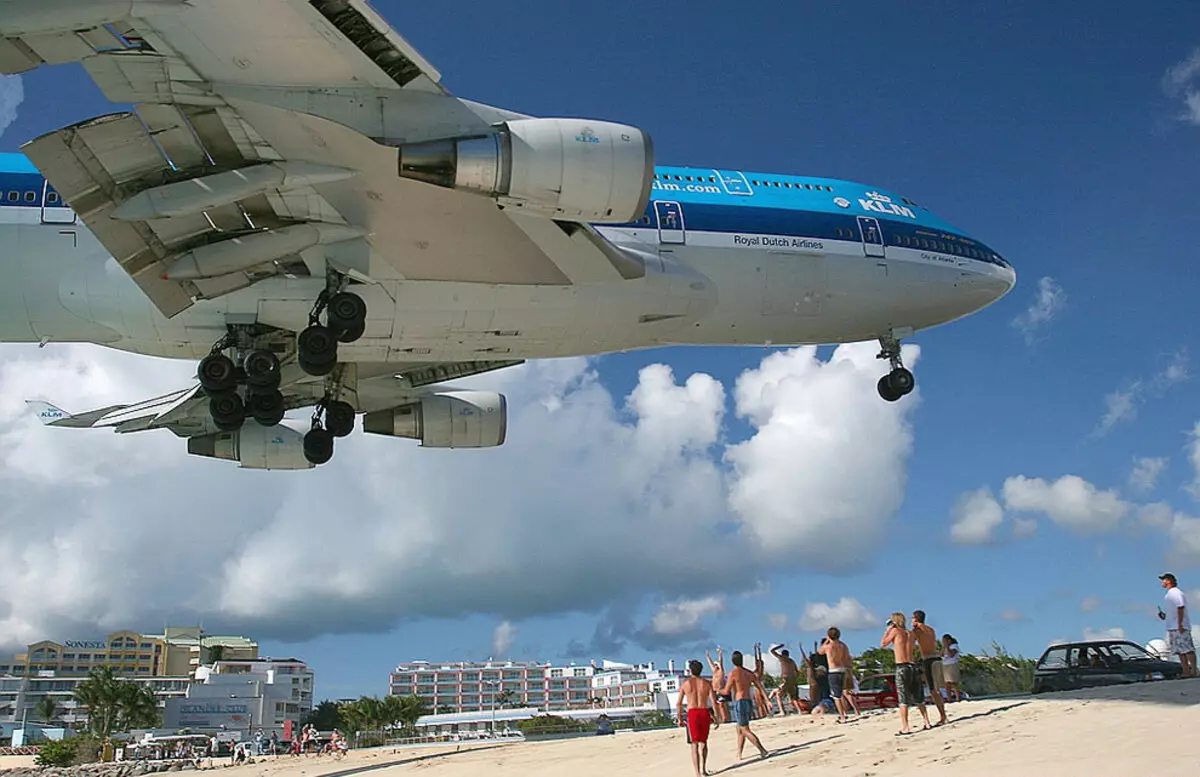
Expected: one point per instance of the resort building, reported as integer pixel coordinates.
(468, 686)
(244, 696)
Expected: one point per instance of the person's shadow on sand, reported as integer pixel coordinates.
(773, 755)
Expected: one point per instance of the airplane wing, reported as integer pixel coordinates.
(184, 412)
(272, 114)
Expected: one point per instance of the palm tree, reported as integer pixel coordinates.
(138, 707)
(46, 709)
(114, 704)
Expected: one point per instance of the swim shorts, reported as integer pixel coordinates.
(743, 709)
(933, 673)
(1180, 642)
(837, 684)
(698, 723)
(908, 685)
(790, 689)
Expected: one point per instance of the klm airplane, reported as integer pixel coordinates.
(298, 203)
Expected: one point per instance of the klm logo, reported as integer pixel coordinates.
(881, 203)
(51, 415)
(587, 136)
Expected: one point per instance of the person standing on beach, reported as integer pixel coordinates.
(741, 682)
(908, 681)
(789, 674)
(698, 692)
(718, 682)
(1179, 625)
(931, 661)
(841, 670)
(950, 667)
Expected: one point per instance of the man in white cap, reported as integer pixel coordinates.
(1179, 625)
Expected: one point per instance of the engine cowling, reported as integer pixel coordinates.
(449, 419)
(254, 447)
(569, 169)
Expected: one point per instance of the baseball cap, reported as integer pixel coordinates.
(1168, 576)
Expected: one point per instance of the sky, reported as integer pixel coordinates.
(652, 505)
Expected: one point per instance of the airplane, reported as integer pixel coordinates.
(296, 201)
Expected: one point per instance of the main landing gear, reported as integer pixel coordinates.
(332, 419)
(238, 392)
(346, 320)
(899, 382)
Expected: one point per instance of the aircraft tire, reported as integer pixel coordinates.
(346, 312)
(228, 412)
(267, 407)
(318, 446)
(317, 347)
(886, 391)
(262, 369)
(353, 333)
(339, 418)
(901, 381)
(217, 373)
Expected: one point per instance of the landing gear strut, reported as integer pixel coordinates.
(346, 320)
(331, 419)
(223, 380)
(899, 382)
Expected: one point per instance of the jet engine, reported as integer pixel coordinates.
(254, 447)
(449, 419)
(569, 169)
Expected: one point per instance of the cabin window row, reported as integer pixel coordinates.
(51, 197)
(764, 184)
(943, 246)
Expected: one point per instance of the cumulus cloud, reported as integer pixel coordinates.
(1122, 404)
(977, 517)
(1070, 502)
(679, 618)
(1047, 303)
(848, 615)
(778, 620)
(1115, 632)
(12, 94)
(1193, 450)
(502, 638)
(1180, 82)
(1145, 473)
(102, 531)
(1023, 528)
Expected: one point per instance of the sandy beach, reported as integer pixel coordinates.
(1091, 733)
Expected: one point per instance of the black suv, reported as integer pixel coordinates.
(1100, 662)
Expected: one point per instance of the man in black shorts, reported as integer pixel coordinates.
(908, 678)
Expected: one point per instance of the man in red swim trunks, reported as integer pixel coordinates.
(698, 692)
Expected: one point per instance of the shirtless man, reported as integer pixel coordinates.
(841, 670)
(761, 703)
(931, 660)
(908, 682)
(718, 681)
(698, 692)
(790, 678)
(741, 682)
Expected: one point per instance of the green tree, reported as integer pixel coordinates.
(46, 709)
(114, 704)
(138, 707)
(876, 661)
(505, 699)
(326, 716)
(216, 653)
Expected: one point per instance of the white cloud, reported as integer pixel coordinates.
(502, 638)
(1184, 541)
(1090, 604)
(777, 620)
(405, 533)
(1122, 405)
(1070, 501)
(1114, 633)
(1119, 406)
(1145, 473)
(1023, 528)
(1180, 81)
(848, 615)
(1157, 515)
(1012, 615)
(12, 94)
(1045, 307)
(1194, 458)
(682, 617)
(977, 517)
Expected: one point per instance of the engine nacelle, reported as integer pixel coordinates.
(254, 447)
(449, 419)
(570, 169)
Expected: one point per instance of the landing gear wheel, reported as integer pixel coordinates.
(886, 391)
(318, 446)
(217, 373)
(339, 418)
(262, 369)
(901, 381)
(267, 407)
(347, 316)
(228, 412)
(318, 350)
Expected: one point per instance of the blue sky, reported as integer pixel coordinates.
(1050, 131)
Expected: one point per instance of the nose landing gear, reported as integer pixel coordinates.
(900, 381)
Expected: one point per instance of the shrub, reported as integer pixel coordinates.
(56, 753)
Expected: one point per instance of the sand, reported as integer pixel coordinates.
(1119, 731)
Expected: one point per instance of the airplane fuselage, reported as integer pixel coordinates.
(730, 258)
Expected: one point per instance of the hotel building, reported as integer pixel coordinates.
(467, 686)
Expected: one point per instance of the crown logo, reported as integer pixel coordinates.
(879, 197)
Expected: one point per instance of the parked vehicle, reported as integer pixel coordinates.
(1097, 663)
(877, 692)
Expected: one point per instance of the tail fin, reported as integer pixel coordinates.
(47, 413)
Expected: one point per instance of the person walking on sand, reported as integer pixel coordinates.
(931, 661)
(841, 670)
(950, 667)
(908, 682)
(1179, 625)
(718, 682)
(698, 692)
(741, 682)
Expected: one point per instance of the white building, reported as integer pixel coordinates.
(469, 686)
(19, 696)
(262, 693)
(641, 687)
